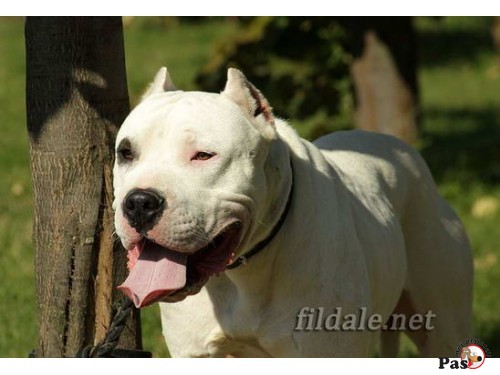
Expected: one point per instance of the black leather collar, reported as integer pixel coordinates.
(243, 259)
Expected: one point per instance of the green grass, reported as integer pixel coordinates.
(460, 85)
(460, 108)
(17, 288)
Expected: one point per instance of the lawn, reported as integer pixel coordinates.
(460, 106)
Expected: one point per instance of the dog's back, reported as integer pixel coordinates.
(438, 255)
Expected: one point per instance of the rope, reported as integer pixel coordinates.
(106, 348)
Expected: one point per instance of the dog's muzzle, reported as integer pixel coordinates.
(143, 208)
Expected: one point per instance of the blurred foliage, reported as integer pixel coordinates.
(288, 58)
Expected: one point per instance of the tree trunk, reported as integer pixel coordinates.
(76, 98)
(495, 33)
(385, 103)
(384, 73)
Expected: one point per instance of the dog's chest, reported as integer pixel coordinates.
(196, 328)
(202, 340)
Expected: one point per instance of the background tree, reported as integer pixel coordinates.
(76, 98)
(303, 64)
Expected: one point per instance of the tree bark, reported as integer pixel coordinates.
(495, 33)
(385, 104)
(76, 98)
(384, 73)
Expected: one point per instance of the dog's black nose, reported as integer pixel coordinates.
(479, 358)
(143, 208)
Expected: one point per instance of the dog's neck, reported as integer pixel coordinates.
(276, 216)
(252, 285)
(242, 260)
(279, 177)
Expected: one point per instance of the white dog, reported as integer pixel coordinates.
(237, 224)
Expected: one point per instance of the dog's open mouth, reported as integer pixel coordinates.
(157, 272)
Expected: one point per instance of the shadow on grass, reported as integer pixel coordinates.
(492, 340)
(465, 148)
(438, 46)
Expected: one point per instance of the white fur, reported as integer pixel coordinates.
(366, 223)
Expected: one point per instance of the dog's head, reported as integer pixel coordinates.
(197, 178)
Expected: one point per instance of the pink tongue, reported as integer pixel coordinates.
(157, 273)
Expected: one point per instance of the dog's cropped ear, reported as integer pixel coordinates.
(247, 96)
(161, 83)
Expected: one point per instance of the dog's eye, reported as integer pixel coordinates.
(124, 151)
(126, 154)
(202, 156)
